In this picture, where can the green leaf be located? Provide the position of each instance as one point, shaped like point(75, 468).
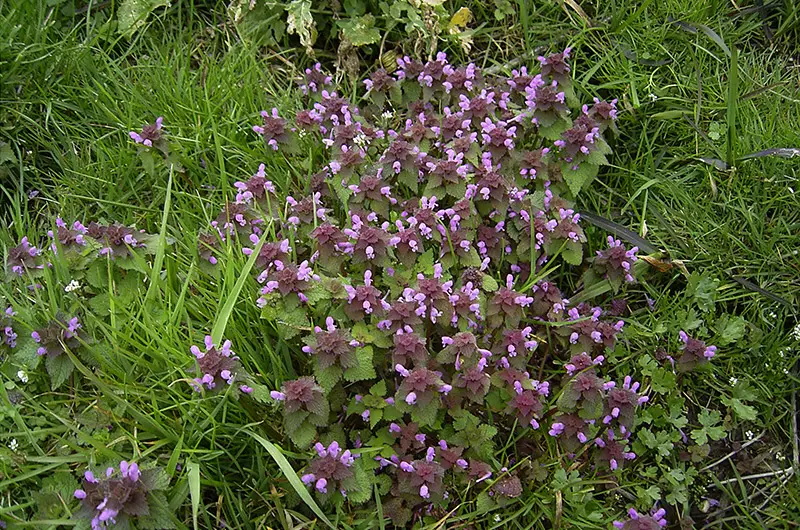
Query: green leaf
point(425, 415)
point(300, 22)
point(364, 369)
point(194, 489)
point(160, 517)
point(573, 253)
point(576, 179)
point(59, 367)
point(702, 288)
point(155, 478)
point(406, 177)
point(660, 441)
point(362, 490)
point(360, 30)
point(132, 14)
point(743, 411)
point(303, 436)
point(730, 328)
point(425, 262)
point(327, 377)
point(379, 388)
point(291, 475)
point(374, 417)
point(6, 154)
point(97, 274)
point(489, 284)
point(708, 420)
point(25, 352)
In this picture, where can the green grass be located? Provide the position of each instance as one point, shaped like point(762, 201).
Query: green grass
point(69, 95)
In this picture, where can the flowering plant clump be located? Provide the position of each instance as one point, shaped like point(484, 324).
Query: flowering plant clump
point(124, 496)
point(424, 246)
point(217, 367)
point(53, 341)
point(9, 337)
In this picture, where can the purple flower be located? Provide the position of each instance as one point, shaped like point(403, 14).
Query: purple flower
point(119, 497)
point(217, 367)
point(58, 336)
point(150, 133)
point(637, 521)
point(315, 79)
point(22, 258)
point(273, 129)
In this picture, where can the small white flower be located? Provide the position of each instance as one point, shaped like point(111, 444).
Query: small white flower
point(387, 114)
point(780, 456)
point(749, 435)
point(733, 380)
point(13, 444)
point(361, 140)
point(796, 331)
point(302, 133)
point(786, 371)
point(772, 314)
point(653, 97)
point(22, 376)
point(781, 353)
point(497, 518)
point(72, 286)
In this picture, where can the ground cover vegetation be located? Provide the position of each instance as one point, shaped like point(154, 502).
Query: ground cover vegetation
point(375, 264)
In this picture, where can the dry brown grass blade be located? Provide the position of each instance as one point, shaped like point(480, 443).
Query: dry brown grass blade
point(578, 10)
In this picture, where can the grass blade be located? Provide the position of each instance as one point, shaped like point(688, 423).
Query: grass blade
point(162, 241)
point(619, 231)
point(291, 475)
point(733, 100)
point(194, 489)
point(222, 320)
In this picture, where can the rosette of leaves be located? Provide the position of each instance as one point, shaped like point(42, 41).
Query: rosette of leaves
point(53, 341)
point(125, 497)
point(305, 408)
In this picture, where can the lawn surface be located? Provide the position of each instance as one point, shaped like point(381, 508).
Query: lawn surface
point(704, 90)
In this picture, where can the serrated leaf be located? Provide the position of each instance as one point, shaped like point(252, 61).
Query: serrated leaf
point(25, 352)
point(155, 478)
point(425, 263)
point(304, 435)
point(374, 417)
point(360, 31)
point(425, 415)
point(132, 14)
point(300, 22)
point(293, 420)
point(730, 328)
point(379, 388)
point(459, 20)
point(576, 179)
point(327, 377)
point(743, 411)
point(490, 285)
point(59, 367)
point(407, 178)
point(97, 274)
point(6, 154)
point(364, 368)
point(160, 514)
point(573, 253)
